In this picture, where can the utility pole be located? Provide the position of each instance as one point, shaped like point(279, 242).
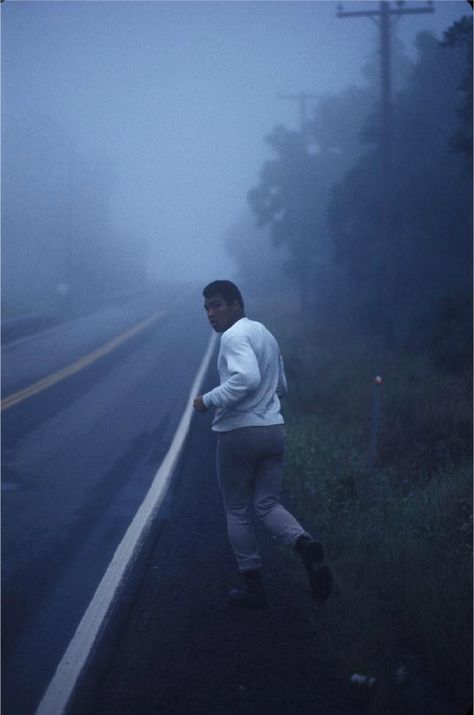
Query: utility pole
point(382, 17)
point(301, 98)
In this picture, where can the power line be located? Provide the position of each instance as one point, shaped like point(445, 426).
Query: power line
point(382, 16)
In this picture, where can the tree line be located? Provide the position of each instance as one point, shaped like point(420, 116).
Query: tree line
point(391, 254)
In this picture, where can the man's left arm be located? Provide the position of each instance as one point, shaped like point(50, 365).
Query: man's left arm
point(282, 387)
point(244, 374)
point(199, 404)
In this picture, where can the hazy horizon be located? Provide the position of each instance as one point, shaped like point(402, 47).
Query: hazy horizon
point(167, 105)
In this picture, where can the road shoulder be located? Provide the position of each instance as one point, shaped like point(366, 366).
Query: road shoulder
point(184, 650)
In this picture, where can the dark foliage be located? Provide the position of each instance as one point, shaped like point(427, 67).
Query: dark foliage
point(396, 224)
point(295, 186)
point(460, 35)
point(404, 240)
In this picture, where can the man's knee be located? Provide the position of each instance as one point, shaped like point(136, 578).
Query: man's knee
point(263, 507)
point(238, 513)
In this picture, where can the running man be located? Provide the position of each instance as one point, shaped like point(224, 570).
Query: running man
point(250, 444)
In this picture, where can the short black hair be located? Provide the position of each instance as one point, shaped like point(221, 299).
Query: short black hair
point(226, 289)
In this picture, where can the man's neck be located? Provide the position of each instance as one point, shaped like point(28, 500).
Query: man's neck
point(239, 317)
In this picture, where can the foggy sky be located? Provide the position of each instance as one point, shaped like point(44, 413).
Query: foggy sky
point(176, 97)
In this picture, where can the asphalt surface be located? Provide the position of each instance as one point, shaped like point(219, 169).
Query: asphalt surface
point(184, 651)
point(43, 351)
point(77, 460)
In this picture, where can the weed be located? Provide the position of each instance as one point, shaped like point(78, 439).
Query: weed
point(398, 535)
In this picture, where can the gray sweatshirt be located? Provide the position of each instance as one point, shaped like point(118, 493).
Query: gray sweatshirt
point(252, 378)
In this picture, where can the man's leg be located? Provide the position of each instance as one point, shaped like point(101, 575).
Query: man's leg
point(235, 476)
point(267, 490)
point(269, 442)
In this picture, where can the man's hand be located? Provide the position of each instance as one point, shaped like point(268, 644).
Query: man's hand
point(199, 404)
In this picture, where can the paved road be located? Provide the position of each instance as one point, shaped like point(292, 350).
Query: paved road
point(184, 651)
point(77, 459)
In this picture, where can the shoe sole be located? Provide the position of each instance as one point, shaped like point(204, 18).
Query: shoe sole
point(319, 575)
point(250, 606)
point(243, 602)
point(321, 581)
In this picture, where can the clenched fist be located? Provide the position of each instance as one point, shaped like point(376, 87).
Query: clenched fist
point(199, 404)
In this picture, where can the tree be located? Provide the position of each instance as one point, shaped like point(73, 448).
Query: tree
point(259, 265)
point(295, 186)
point(460, 35)
point(403, 278)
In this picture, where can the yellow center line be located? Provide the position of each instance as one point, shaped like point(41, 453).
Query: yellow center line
point(80, 364)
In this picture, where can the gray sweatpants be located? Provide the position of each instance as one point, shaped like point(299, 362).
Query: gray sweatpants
point(250, 471)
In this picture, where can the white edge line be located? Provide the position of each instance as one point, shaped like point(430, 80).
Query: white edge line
point(61, 688)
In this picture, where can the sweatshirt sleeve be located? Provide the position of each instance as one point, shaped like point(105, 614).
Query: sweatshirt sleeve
point(282, 387)
point(243, 370)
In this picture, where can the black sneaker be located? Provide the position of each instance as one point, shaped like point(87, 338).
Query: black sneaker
point(247, 599)
point(319, 574)
point(252, 595)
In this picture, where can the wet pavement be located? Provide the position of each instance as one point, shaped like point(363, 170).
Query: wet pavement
point(184, 650)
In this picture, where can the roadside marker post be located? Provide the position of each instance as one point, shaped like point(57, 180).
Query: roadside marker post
point(375, 420)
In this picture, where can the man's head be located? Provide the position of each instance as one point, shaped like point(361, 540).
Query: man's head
point(223, 304)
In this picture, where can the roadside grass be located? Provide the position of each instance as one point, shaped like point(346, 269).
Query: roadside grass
point(401, 561)
point(398, 533)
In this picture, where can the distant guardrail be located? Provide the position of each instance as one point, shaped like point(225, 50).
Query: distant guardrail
point(29, 323)
point(18, 327)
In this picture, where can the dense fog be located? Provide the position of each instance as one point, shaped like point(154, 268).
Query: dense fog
point(138, 140)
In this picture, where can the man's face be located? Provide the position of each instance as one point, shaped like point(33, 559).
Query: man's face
point(222, 315)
